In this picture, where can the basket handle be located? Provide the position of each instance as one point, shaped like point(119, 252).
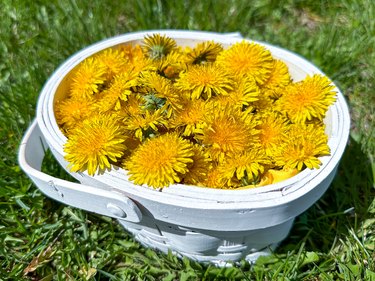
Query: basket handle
point(88, 198)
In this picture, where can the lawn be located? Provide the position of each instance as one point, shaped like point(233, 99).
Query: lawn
point(44, 240)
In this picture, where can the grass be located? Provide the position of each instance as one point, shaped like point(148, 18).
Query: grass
point(44, 240)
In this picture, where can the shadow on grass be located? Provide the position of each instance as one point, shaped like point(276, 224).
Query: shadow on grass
point(344, 206)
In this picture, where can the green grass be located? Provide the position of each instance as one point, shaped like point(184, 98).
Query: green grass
point(44, 240)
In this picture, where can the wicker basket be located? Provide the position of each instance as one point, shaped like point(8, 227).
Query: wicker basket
point(204, 224)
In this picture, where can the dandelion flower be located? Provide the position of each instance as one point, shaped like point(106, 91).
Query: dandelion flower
point(306, 143)
point(278, 80)
point(136, 61)
point(113, 60)
point(249, 164)
point(204, 81)
point(190, 117)
point(119, 90)
point(273, 129)
point(157, 46)
point(307, 99)
point(160, 91)
point(204, 52)
point(247, 58)
point(228, 131)
point(131, 53)
point(132, 107)
point(199, 168)
point(95, 144)
point(146, 121)
point(245, 92)
point(70, 112)
point(171, 65)
point(89, 75)
point(264, 103)
point(213, 179)
point(160, 161)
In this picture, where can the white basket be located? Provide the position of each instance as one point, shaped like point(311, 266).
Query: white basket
point(204, 224)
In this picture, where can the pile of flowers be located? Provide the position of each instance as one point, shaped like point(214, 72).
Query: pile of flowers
point(205, 115)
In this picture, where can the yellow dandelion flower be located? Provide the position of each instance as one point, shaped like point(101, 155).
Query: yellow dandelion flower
point(171, 65)
point(199, 168)
point(148, 120)
point(160, 161)
point(119, 90)
point(113, 60)
point(264, 103)
point(204, 52)
point(131, 53)
point(228, 131)
point(245, 58)
point(247, 165)
point(213, 179)
point(152, 81)
point(94, 145)
point(204, 81)
point(70, 112)
point(157, 46)
point(136, 60)
point(307, 99)
point(223, 101)
point(190, 117)
point(106, 102)
point(273, 129)
point(161, 92)
point(245, 92)
point(132, 107)
point(278, 80)
point(90, 74)
point(303, 147)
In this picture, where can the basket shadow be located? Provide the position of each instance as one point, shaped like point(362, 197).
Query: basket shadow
point(342, 208)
